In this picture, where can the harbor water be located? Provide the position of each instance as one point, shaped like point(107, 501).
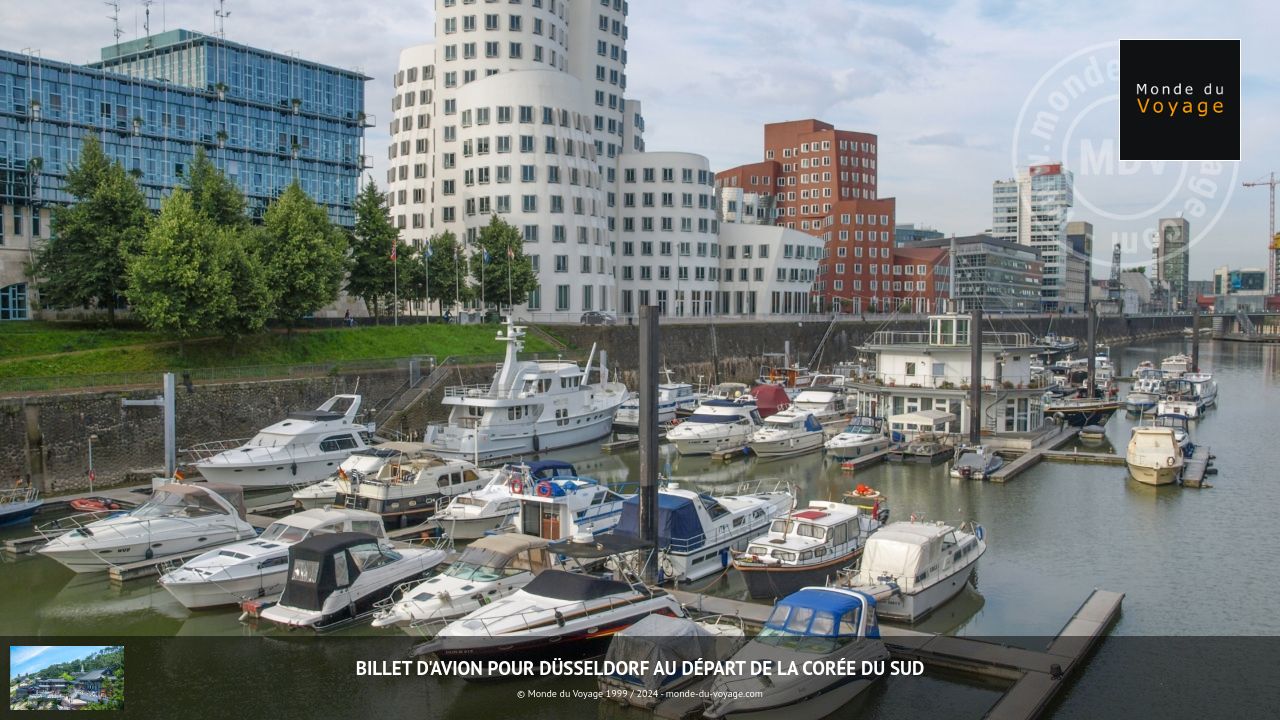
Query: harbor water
point(1054, 533)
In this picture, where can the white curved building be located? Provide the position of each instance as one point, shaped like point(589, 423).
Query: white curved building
point(411, 168)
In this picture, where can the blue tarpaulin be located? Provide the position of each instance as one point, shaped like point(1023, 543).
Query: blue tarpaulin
point(677, 521)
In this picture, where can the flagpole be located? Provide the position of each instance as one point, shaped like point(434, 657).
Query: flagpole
point(395, 270)
point(483, 262)
point(426, 278)
point(457, 282)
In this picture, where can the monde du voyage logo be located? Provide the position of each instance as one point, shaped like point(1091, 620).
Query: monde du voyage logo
point(1180, 99)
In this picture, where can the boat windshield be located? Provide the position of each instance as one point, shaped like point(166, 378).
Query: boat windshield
point(861, 429)
point(168, 504)
point(283, 532)
point(709, 419)
point(802, 529)
point(266, 439)
point(481, 565)
point(808, 630)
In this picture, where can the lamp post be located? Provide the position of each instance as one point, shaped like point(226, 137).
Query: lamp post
point(92, 437)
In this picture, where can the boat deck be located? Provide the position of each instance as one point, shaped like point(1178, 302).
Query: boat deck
point(1036, 676)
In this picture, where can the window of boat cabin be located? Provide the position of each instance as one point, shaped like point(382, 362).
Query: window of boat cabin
point(366, 437)
point(372, 527)
point(368, 556)
point(334, 443)
point(714, 509)
point(470, 476)
point(841, 534)
point(307, 571)
point(340, 577)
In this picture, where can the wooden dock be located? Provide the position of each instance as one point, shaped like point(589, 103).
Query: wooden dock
point(1083, 457)
point(1036, 676)
point(1032, 457)
point(731, 454)
point(857, 463)
point(1197, 467)
point(626, 443)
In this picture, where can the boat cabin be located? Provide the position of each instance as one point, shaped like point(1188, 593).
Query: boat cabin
point(324, 564)
point(825, 617)
point(909, 426)
point(915, 555)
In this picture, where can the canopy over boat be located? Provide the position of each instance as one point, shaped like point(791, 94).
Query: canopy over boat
point(677, 519)
point(322, 564)
point(201, 495)
point(823, 612)
point(664, 641)
point(562, 585)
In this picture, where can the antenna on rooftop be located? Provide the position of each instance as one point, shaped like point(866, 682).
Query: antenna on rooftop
point(223, 13)
point(146, 20)
point(114, 17)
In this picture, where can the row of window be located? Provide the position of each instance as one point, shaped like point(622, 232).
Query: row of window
point(667, 224)
point(649, 175)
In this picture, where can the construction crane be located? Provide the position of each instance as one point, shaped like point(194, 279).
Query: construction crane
point(1273, 246)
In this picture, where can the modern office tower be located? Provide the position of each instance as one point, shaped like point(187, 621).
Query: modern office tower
point(822, 181)
point(1032, 209)
point(905, 234)
point(1080, 240)
point(264, 118)
point(1173, 260)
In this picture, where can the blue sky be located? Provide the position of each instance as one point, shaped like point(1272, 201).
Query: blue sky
point(30, 658)
point(942, 82)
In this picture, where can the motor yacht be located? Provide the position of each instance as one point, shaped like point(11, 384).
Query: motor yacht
point(336, 578)
point(812, 625)
point(716, 425)
point(488, 569)
point(805, 547)
point(698, 532)
point(410, 491)
point(975, 462)
point(305, 447)
point(862, 436)
point(178, 518)
point(18, 504)
point(362, 463)
point(673, 399)
point(559, 613)
point(258, 567)
point(1203, 387)
point(473, 514)
point(829, 404)
point(1145, 392)
point(1153, 456)
point(1175, 365)
point(912, 568)
point(530, 406)
point(790, 432)
point(555, 503)
point(1181, 431)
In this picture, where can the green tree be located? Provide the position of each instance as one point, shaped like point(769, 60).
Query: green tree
point(252, 301)
point(448, 272)
point(178, 283)
point(304, 255)
point(504, 247)
point(213, 194)
point(371, 274)
point(84, 262)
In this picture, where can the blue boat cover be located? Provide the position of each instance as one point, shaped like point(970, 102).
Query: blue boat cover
point(819, 612)
point(677, 520)
point(543, 469)
point(811, 424)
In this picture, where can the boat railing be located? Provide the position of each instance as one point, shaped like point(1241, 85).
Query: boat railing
point(478, 390)
point(205, 450)
point(531, 620)
point(19, 495)
point(81, 521)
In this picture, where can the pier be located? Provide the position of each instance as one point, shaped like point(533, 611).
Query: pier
point(627, 442)
point(1035, 676)
point(1031, 457)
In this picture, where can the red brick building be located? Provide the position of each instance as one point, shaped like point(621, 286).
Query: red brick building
point(823, 181)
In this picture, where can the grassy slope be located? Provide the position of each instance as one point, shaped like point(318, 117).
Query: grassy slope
point(129, 354)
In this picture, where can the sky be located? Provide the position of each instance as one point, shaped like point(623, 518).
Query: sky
point(25, 659)
point(943, 83)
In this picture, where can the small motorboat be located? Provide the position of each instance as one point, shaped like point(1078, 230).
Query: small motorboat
point(18, 504)
point(258, 567)
point(336, 578)
point(666, 643)
point(94, 504)
point(362, 463)
point(812, 625)
point(912, 568)
point(1153, 456)
point(790, 432)
point(716, 425)
point(975, 462)
point(807, 547)
point(179, 518)
point(489, 569)
point(862, 436)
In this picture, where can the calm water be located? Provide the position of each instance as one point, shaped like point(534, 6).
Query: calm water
point(1054, 534)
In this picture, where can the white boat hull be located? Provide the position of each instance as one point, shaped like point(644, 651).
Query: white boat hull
point(459, 443)
point(1155, 475)
point(277, 473)
point(97, 558)
point(854, 450)
point(706, 444)
point(911, 607)
point(793, 445)
point(213, 593)
point(470, 528)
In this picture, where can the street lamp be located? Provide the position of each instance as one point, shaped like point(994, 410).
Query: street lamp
point(92, 437)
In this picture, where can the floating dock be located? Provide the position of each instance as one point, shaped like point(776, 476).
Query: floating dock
point(1031, 457)
point(1036, 676)
point(1197, 467)
point(626, 443)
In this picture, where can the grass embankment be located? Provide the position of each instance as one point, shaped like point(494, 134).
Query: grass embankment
point(46, 349)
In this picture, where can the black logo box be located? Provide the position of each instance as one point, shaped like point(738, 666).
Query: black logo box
point(1186, 69)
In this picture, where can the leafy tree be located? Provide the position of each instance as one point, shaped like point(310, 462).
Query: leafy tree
point(113, 692)
point(371, 275)
point(304, 255)
point(448, 271)
point(504, 246)
point(213, 193)
point(84, 262)
point(252, 301)
point(179, 282)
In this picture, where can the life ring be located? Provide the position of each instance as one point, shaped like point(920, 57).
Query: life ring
point(516, 485)
point(1171, 460)
point(543, 489)
point(863, 490)
point(1170, 398)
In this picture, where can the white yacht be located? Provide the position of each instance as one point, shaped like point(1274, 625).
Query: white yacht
point(555, 503)
point(809, 628)
point(862, 436)
point(336, 578)
point(697, 533)
point(1183, 398)
point(1203, 387)
point(179, 518)
point(490, 568)
point(531, 406)
point(557, 612)
point(806, 547)
point(305, 447)
point(975, 462)
point(408, 492)
point(912, 568)
point(790, 432)
point(828, 403)
point(473, 514)
point(258, 567)
point(673, 398)
point(1146, 391)
point(362, 463)
point(716, 425)
point(1154, 456)
point(1175, 365)
point(729, 391)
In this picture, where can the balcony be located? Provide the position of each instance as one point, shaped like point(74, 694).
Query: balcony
point(921, 338)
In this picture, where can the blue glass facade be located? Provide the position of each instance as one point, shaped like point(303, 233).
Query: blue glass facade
point(264, 118)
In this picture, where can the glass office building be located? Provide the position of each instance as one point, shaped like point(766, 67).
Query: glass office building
point(264, 118)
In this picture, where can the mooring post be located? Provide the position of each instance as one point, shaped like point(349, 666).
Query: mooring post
point(975, 370)
point(1092, 319)
point(170, 427)
point(648, 377)
point(1195, 337)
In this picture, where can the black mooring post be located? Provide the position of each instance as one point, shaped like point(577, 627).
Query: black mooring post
point(649, 439)
point(1195, 337)
point(975, 371)
point(1092, 318)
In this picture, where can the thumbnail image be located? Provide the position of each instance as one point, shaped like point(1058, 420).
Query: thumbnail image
point(66, 677)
